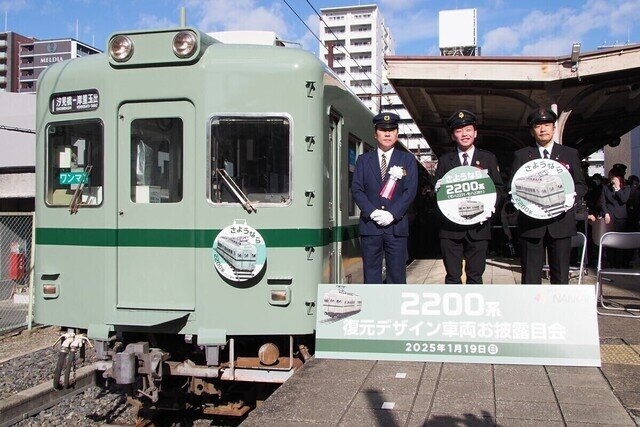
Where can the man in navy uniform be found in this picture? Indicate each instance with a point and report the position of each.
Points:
(466, 241)
(384, 225)
(553, 234)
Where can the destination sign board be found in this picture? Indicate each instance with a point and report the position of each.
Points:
(73, 102)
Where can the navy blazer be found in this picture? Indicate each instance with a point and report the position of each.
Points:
(366, 186)
(484, 160)
(563, 225)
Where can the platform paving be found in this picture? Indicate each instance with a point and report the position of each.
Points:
(382, 393)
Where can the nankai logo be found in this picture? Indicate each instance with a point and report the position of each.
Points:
(561, 298)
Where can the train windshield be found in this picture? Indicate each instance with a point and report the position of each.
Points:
(74, 163)
(254, 153)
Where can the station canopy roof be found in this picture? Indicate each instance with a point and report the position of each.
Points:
(597, 98)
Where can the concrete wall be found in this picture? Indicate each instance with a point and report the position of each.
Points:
(619, 154)
(17, 149)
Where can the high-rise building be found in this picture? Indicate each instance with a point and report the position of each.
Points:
(10, 60)
(39, 54)
(360, 41)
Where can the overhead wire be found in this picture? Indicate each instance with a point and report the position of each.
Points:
(346, 52)
(323, 45)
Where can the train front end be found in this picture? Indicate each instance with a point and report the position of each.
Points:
(170, 231)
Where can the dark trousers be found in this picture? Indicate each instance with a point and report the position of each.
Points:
(532, 250)
(394, 250)
(473, 251)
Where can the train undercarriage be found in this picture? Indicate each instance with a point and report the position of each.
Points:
(167, 371)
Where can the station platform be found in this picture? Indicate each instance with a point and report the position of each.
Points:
(381, 393)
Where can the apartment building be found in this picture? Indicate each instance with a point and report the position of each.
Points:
(39, 54)
(10, 60)
(360, 42)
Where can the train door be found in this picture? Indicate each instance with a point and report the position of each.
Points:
(335, 144)
(156, 220)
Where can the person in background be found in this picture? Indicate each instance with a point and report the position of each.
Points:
(384, 224)
(554, 234)
(633, 205)
(613, 200)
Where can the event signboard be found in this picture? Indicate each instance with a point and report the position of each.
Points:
(506, 324)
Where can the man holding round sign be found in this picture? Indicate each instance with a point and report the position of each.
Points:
(547, 182)
(468, 189)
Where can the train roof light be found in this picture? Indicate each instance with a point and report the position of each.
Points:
(121, 48)
(185, 44)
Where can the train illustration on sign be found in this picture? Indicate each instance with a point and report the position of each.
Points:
(468, 209)
(238, 252)
(338, 303)
(543, 190)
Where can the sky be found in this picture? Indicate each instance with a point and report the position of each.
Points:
(505, 27)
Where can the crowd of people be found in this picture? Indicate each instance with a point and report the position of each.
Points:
(385, 183)
(613, 205)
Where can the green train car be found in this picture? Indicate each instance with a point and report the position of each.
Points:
(190, 197)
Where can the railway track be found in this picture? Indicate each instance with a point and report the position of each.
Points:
(33, 400)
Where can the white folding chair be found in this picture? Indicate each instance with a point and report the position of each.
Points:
(616, 240)
(578, 241)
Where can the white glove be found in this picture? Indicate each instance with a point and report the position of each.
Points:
(384, 219)
(438, 184)
(376, 214)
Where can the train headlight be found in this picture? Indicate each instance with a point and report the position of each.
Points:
(185, 44)
(121, 48)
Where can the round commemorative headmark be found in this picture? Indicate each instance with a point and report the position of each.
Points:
(542, 189)
(239, 252)
(466, 195)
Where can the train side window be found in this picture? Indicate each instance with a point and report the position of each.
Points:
(156, 160)
(254, 154)
(75, 163)
(355, 147)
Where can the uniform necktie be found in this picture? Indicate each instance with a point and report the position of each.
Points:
(545, 154)
(465, 156)
(383, 166)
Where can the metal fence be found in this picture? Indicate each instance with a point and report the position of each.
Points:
(16, 266)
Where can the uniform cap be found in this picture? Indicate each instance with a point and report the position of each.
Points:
(386, 120)
(541, 115)
(620, 168)
(461, 118)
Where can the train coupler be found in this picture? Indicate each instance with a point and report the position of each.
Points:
(138, 360)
